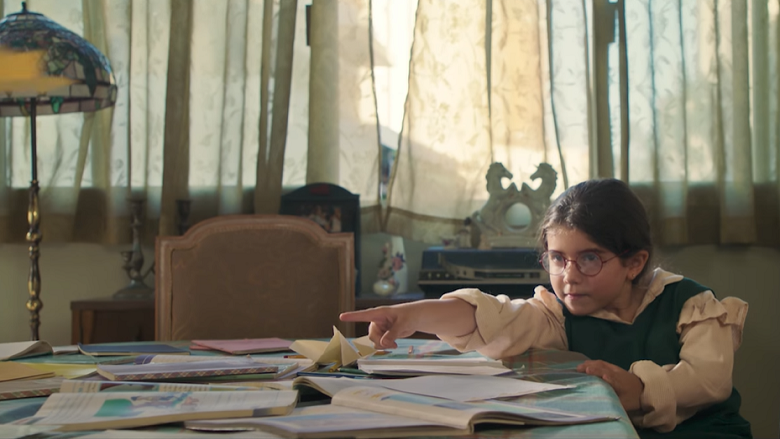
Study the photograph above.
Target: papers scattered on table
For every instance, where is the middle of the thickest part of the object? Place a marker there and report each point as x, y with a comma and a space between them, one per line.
462, 388
360, 411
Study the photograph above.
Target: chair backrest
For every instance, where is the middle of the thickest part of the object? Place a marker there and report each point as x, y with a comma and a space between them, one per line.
253, 276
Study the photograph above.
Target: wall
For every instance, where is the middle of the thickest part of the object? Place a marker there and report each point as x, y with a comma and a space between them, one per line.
81, 271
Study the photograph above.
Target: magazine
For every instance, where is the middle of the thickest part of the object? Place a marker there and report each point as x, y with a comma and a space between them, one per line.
195, 370
85, 386
362, 411
100, 411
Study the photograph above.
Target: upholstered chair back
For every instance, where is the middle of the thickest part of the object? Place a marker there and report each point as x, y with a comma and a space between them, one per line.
253, 276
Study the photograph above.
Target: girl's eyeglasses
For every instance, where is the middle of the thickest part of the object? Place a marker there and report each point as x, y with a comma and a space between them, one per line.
588, 263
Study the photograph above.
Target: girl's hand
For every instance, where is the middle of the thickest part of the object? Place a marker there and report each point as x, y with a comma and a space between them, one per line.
388, 323
627, 385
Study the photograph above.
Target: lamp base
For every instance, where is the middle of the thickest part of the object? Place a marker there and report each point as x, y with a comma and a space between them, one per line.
137, 290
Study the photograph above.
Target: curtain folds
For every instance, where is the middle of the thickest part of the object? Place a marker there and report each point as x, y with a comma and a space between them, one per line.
224, 103
699, 111
198, 80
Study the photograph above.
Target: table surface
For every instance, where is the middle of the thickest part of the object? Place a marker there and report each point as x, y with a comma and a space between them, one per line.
590, 395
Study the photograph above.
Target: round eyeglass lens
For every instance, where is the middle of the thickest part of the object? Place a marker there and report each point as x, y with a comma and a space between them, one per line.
589, 263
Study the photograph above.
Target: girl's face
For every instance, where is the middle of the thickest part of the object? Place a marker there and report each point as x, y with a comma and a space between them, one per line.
610, 289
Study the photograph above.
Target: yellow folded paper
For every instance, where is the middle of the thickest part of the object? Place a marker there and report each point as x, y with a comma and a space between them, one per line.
10, 371
338, 350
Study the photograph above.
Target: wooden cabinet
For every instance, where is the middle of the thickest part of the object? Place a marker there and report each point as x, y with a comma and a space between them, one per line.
107, 320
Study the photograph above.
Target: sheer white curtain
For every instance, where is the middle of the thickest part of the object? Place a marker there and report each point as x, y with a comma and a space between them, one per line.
203, 96
704, 110
480, 91
516, 82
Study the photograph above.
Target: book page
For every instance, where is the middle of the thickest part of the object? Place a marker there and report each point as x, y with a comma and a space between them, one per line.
456, 387
390, 402
456, 413
331, 421
23, 349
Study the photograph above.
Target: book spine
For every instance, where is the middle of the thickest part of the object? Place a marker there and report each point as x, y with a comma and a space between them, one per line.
28, 393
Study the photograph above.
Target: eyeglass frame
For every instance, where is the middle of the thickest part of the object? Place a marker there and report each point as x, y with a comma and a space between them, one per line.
577, 264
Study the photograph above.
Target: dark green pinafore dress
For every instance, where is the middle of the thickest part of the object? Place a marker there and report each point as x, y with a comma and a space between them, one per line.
653, 337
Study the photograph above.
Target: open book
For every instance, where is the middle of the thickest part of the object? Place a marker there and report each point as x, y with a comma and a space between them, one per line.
23, 349
100, 411
377, 412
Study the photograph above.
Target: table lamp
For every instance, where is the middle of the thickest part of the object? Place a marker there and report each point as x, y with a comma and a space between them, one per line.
47, 69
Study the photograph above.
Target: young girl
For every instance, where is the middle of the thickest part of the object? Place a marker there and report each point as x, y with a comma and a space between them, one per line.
662, 341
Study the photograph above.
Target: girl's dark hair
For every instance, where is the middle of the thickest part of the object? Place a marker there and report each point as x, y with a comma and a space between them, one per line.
608, 212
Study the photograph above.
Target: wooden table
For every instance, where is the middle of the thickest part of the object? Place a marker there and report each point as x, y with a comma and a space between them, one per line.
588, 394
106, 320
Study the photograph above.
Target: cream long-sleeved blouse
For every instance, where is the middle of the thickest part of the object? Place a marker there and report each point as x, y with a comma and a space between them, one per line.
710, 332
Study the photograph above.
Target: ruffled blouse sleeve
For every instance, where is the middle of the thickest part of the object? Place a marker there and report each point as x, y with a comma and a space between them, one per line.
710, 332
508, 327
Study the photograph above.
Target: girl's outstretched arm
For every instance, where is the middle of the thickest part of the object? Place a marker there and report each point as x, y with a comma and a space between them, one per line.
446, 317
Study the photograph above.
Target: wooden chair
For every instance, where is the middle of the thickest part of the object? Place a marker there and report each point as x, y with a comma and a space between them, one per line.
253, 276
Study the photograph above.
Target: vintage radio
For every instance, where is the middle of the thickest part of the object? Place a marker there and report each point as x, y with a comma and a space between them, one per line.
511, 271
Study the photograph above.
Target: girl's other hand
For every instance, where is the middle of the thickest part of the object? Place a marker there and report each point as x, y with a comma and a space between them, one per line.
388, 324
627, 385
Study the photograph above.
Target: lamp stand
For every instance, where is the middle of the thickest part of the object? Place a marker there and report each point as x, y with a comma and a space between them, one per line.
34, 236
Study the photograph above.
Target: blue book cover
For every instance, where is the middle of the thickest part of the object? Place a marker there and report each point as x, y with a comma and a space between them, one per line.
130, 349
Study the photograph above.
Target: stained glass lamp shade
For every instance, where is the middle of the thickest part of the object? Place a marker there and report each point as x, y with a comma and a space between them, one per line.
47, 69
